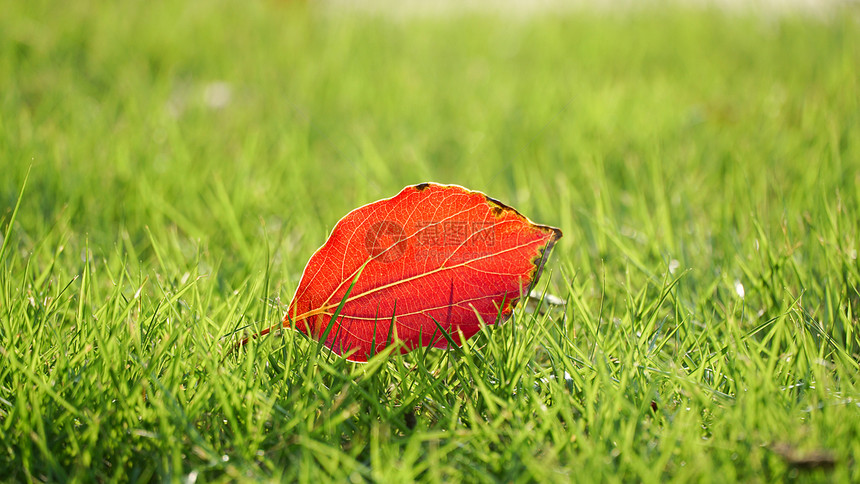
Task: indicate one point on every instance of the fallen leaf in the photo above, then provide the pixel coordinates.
(433, 256)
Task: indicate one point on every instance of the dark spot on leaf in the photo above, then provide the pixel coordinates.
(497, 208)
(422, 186)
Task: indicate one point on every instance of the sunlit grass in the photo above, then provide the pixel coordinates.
(186, 159)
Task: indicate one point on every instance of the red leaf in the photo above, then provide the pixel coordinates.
(432, 252)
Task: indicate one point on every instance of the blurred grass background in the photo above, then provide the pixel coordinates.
(186, 158)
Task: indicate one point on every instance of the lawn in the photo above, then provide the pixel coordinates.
(167, 169)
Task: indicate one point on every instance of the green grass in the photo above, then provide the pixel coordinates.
(684, 153)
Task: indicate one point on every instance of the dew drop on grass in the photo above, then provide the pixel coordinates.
(673, 266)
(739, 289)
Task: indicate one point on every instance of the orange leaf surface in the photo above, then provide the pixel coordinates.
(433, 255)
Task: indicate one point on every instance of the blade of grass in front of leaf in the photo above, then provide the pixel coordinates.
(337, 311)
